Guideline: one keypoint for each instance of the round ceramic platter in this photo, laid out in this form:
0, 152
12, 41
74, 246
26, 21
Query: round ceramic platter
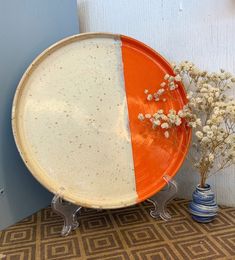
75, 121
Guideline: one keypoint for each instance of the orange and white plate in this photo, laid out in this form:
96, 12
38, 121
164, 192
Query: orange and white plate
76, 127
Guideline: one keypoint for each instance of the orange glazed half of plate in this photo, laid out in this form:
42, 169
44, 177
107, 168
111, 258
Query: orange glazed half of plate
154, 156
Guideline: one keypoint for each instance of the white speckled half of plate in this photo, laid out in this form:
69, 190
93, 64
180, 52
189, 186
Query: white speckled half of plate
70, 122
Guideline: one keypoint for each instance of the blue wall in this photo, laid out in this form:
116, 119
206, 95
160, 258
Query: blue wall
27, 27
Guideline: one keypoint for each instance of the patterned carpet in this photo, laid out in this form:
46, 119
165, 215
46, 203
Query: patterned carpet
128, 233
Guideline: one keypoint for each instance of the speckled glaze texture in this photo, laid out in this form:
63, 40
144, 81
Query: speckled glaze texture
203, 206
76, 131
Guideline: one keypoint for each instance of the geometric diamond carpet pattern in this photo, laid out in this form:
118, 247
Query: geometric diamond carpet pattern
128, 233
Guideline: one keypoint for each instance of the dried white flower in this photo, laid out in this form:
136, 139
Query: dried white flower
141, 117
172, 86
156, 123
156, 115
171, 79
198, 122
147, 116
228, 75
181, 113
210, 99
149, 97
206, 128
160, 91
205, 140
166, 134
178, 121
199, 135
177, 78
165, 125
210, 134
192, 124
214, 128
166, 77
164, 117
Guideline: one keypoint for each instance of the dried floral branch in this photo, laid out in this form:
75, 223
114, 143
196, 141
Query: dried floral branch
209, 111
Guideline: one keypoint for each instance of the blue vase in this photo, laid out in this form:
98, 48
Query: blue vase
203, 206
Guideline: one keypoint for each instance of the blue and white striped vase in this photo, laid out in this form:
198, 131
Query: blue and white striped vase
203, 206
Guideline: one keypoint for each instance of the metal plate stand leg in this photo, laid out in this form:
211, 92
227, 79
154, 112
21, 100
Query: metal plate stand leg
162, 198
68, 212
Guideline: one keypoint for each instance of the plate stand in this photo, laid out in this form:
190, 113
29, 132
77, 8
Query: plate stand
162, 198
69, 211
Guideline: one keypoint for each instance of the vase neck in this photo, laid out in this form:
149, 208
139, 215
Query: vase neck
205, 188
